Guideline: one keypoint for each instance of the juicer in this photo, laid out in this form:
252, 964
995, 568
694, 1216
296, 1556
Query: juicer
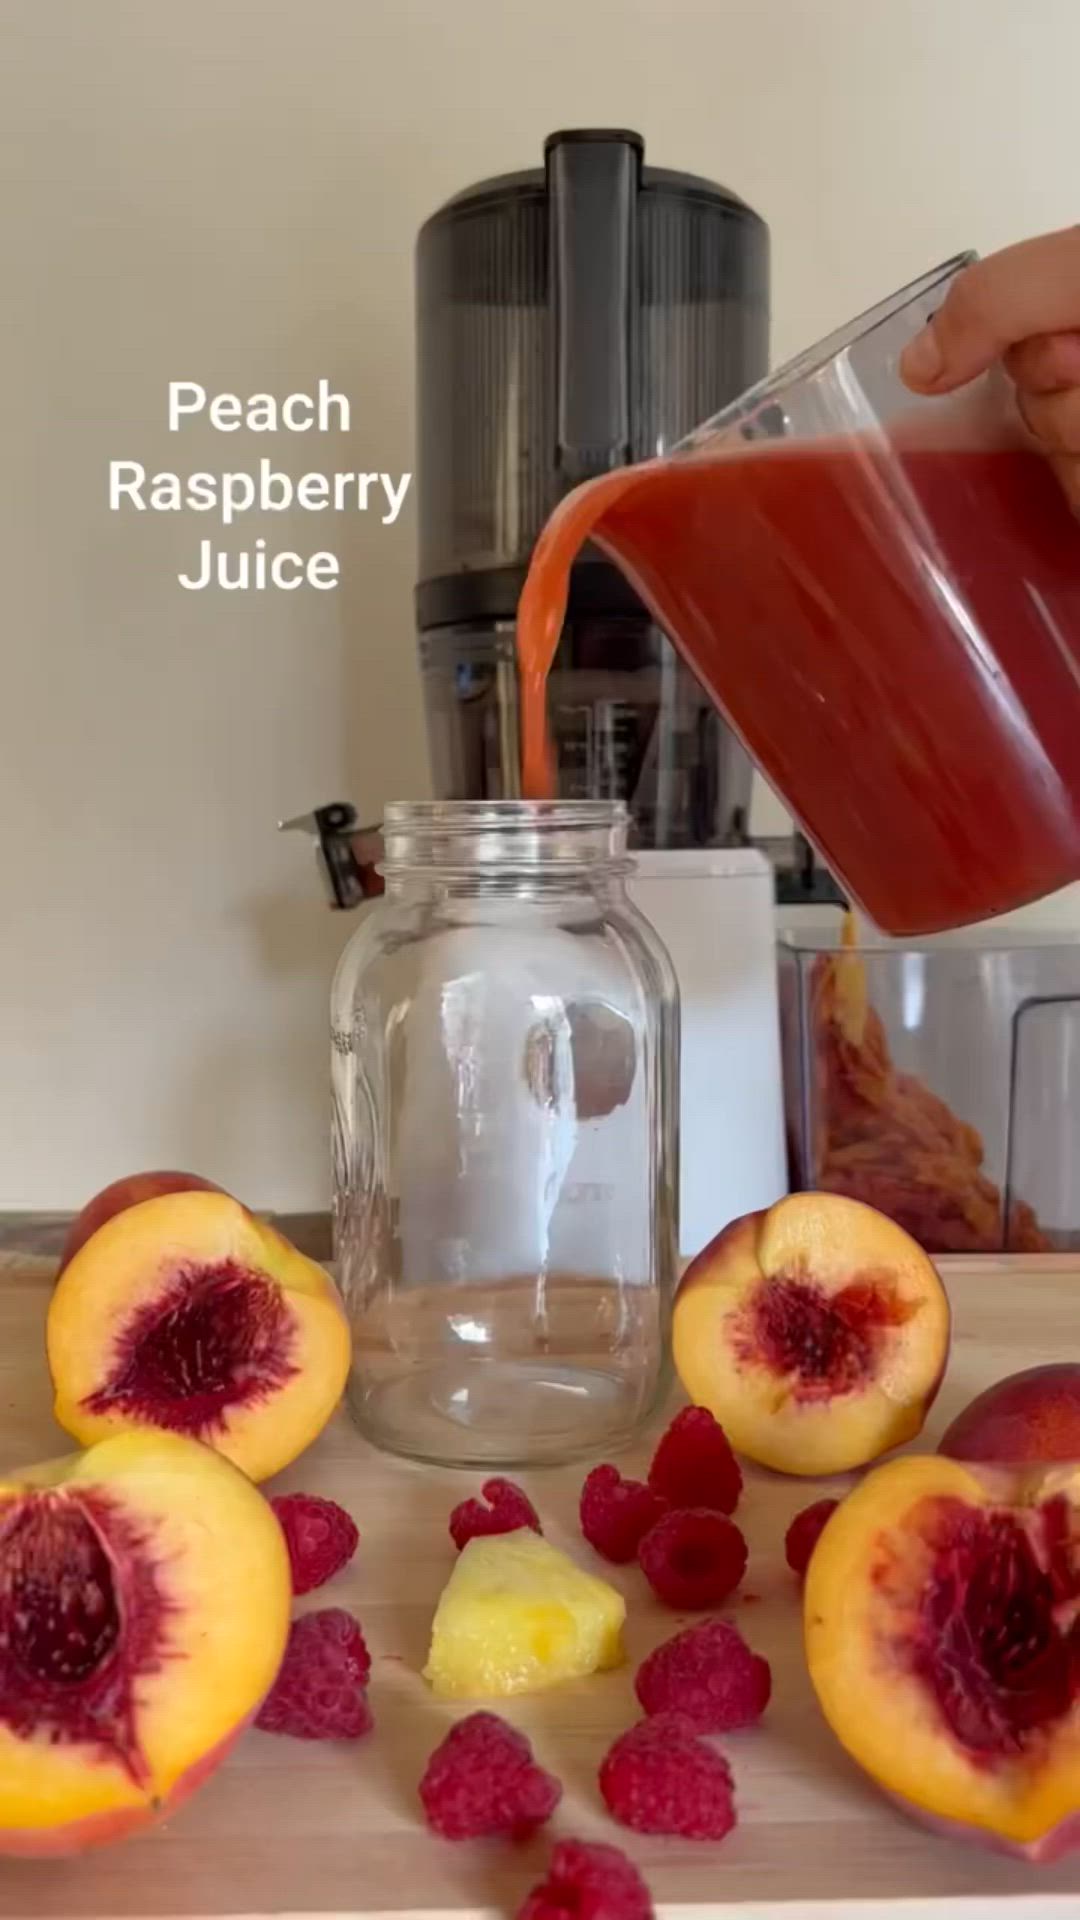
571, 319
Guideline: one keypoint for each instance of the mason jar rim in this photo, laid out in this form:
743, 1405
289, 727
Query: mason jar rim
493, 813
511, 835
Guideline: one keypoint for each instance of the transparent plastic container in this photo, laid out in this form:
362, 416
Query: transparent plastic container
938, 1081
628, 721
505, 1074
882, 596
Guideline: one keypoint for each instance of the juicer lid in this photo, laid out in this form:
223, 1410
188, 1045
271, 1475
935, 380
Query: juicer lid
532, 182
571, 318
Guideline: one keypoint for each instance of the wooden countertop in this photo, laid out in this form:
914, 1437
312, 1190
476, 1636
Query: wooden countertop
290, 1829
23, 1231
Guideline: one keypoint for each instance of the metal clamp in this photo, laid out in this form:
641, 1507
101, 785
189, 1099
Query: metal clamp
347, 853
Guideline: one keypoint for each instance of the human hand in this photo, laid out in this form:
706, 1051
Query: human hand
1020, 306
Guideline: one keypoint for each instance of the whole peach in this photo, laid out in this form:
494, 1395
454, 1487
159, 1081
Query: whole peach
1034, 1415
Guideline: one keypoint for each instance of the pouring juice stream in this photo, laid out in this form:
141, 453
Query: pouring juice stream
892, 629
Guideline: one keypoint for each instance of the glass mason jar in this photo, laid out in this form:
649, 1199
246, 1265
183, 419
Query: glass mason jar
505, 1070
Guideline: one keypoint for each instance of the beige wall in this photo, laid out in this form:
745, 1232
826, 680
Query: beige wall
227, 191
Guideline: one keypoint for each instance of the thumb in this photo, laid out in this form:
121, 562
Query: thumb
1027, 289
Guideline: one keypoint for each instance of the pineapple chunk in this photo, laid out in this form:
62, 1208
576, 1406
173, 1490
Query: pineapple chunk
516, 1616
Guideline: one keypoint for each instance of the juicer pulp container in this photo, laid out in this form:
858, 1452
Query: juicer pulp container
938, 1081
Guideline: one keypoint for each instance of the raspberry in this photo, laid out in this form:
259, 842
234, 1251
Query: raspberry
507, 1510
587, 1880
319, 1693
693, 1558
709, 1674
694, 1466
483, 1779
616, 1514
804, 1533
660, 1777
320, 1535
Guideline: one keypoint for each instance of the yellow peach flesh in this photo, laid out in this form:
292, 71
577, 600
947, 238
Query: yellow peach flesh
202, 1574
816, 1332
139, 1275
866, 1592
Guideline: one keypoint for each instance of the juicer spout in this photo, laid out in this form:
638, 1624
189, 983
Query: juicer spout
594, 178
347, 853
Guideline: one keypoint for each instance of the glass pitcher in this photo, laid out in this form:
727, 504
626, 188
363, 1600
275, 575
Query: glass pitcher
505, 1071
882, 595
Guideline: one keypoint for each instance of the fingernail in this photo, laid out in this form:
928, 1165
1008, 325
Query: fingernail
922, 359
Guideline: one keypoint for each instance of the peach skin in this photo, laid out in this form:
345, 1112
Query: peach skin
1034, 1415
126, 1193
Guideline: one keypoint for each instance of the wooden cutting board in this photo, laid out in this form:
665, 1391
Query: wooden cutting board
289, 1829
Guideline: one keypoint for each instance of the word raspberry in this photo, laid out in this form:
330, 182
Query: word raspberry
319, 1693
804, 1533
587, 1880
320, 1535
483, 1780
507, 1509
660, 1777
694, 1466
709, 1674
693, 1559
616, 1514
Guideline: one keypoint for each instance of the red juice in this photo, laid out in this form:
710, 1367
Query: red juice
894, 632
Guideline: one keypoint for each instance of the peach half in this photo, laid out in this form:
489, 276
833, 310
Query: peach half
1034, 1415
940, 1618
127, 1193
816, 1332
144, 1611
187, 1313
